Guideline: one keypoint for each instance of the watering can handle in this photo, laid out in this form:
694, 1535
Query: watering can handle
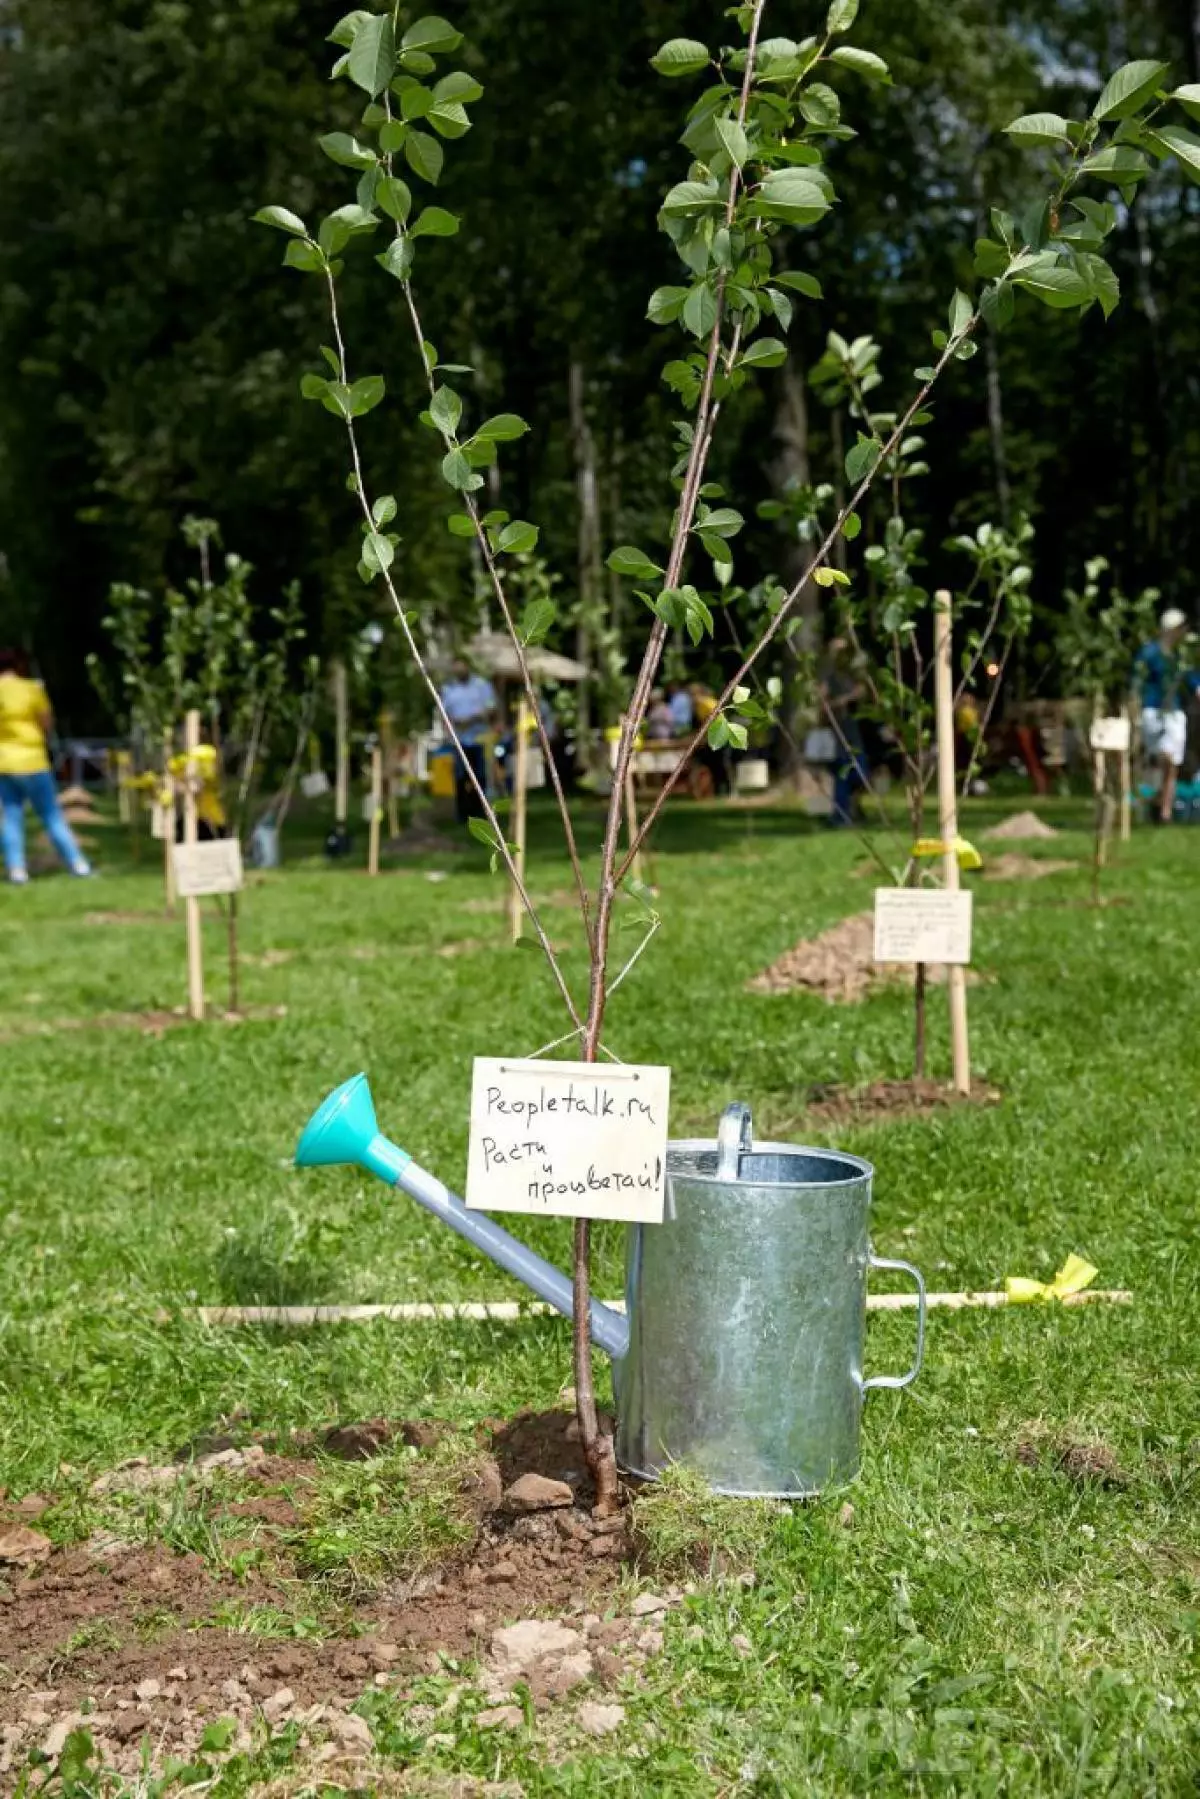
902, 1380
735, 1134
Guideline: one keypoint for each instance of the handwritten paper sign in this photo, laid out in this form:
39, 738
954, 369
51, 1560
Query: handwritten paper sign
568, 1139
1110, 734
920, 924
204, 868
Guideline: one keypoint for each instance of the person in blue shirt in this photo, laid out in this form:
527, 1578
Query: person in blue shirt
1163, 679
679, 705
470, 702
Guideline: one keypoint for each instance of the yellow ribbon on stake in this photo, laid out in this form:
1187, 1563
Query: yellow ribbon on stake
968, 855
1074, 1275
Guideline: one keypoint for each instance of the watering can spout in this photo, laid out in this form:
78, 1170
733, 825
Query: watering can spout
344, 1129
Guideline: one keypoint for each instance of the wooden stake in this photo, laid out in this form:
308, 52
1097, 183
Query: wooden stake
376, 810
168, 809
1127, 784
948, 826
342, 790
516, 910
388, 740
191, 907
124, 770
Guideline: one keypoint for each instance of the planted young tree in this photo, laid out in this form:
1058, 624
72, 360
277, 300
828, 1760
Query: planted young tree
1099, 634
758, 139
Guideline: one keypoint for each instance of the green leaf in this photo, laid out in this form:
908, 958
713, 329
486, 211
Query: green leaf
536, 621
808, 285
718, 731
841, 16
392, 136
797, 195
445, 409
504, 427
996, 305
699, 313
681, 56
1182, 144
863, 62
304, 256
483, 832
688, 199
1188, 97
764, 353
416, 62
991, 258
394, 197
1054, 283
398, 258
1116, 163
435, 221
372, 60
733, 137
415, 101
365, 395
725, 521
456, 470
377, 553
425, 156
460, 524
961, 313
1125, 92
852, 527
384, 509
830, 577
665, 303
1105, 285
348, 221
346, 151
458, 86
518, 538
314, 387
433, 35
633, 563
449, 119
1038, 128
220, 1733
863, 459
282, 219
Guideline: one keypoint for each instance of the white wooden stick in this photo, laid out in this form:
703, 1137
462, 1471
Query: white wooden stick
191, 907
376, 810
948, 825
342, 776
168, 809
508, 1311
516, 910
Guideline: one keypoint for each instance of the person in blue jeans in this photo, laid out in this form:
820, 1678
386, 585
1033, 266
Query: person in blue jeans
25, 774
842, 689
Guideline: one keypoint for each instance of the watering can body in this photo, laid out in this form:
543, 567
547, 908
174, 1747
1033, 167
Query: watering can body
741, 1349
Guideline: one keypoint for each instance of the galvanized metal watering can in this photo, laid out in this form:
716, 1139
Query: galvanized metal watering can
741, 1349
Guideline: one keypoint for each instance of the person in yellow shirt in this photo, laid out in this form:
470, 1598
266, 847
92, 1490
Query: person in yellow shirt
25, 775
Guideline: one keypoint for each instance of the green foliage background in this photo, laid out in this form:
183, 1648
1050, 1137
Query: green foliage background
152, 351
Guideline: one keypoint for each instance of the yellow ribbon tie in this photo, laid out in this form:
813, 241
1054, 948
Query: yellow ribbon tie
968, 855
1074, 1275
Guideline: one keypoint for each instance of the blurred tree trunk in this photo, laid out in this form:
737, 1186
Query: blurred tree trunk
588, 540
793, 468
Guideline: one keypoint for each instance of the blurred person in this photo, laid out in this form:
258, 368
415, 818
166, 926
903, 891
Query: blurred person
470, 702
704, 704
842, 689
660, 726
1162, 678
679, 705
25, 774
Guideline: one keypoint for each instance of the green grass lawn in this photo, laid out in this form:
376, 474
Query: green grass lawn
983, 1626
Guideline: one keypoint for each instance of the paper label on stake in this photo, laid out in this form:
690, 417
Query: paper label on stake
568, 1139
160, 817
314, 785
204, 868
1110, 734
922, 924
535, 769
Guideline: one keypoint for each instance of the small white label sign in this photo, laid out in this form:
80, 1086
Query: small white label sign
313, 785
568, 1139
1110, 734
921, 924
204, 868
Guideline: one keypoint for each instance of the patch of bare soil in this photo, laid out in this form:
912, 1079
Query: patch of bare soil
499, 903
1081, 1459
1022, 827
150, 1024
839, 966
884, 1101
419, 839
1014, 867
106, 918
137, 1642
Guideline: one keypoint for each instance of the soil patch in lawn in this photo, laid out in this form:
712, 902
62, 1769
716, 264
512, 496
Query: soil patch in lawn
150, 1024
422, 840
839, 965
107, 918
1022, 827
150, 1641
884, 1101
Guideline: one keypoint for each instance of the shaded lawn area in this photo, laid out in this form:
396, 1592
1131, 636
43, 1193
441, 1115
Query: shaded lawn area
982, 1625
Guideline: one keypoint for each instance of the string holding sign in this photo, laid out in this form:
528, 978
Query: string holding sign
568, 1139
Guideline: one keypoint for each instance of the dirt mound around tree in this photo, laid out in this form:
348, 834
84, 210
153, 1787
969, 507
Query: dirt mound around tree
839, 966
890, 1101
1013, 867
144, 1645
1022, 827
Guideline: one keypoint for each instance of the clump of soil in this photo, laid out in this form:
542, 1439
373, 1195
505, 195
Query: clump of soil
890, 1100
1022, 827
1081, 1459
839, 966
132, 1641
1014, 867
